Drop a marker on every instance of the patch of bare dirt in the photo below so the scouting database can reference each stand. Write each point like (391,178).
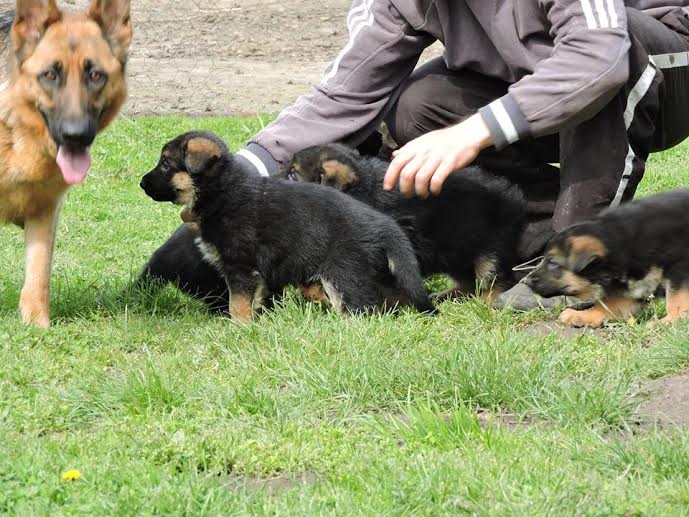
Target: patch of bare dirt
(272,485)
(548,328)
(666,402)
(227,56)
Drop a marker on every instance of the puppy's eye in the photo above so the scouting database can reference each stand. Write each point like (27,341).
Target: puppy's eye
(164,167)
(552,265)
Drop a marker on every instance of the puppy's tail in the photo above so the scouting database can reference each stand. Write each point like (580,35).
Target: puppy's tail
(404,268)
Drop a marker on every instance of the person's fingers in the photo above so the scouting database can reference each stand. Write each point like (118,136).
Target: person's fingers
(424,175)
(408,175)
(441,173)
(393,173)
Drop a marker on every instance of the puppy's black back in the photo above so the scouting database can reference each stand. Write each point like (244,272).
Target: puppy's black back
(295,233)
(476,216)
(650,231)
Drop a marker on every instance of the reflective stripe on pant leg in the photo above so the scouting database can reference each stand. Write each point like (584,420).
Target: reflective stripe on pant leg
(637,93)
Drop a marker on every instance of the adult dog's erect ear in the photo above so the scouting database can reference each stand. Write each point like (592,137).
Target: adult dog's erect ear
(201,153)
(32,19)
(115,21)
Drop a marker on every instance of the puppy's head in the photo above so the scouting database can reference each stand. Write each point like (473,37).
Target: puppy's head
(185,163)
(332,165)
(574,265)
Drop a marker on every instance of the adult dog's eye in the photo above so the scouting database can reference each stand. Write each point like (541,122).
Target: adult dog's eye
(95,76)
(49,75)
(164,167)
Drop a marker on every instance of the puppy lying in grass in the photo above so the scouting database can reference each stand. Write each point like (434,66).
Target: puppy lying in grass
(263,234)
(470,231)
(620,259)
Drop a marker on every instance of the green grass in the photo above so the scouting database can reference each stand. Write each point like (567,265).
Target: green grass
(165,409)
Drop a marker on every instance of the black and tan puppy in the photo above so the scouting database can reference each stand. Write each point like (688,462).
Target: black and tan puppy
(470,231)
(266,233)
(620,259)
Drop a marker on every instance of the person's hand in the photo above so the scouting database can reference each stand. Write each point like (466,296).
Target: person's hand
(424,164)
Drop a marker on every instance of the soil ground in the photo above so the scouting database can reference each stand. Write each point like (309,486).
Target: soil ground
(227,56)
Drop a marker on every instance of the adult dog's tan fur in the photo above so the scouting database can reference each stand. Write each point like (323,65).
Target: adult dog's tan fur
(31,184)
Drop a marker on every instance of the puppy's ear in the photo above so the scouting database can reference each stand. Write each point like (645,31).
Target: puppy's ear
(338,174)
(32,19)
(200,154)
(115,21)
(584,250)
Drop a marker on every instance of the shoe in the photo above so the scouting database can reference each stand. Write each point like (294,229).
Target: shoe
(522,298)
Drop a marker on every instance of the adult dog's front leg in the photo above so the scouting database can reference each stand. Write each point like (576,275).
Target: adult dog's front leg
(39,241)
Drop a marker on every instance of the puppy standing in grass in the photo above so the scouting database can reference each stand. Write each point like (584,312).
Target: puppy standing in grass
(66,83)
(619,259)
(469,231)
(265,233)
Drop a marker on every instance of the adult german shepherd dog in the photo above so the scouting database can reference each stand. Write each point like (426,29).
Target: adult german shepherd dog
(66,83)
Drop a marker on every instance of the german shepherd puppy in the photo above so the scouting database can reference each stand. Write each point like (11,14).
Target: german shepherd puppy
(66,83)
(470,231)
(620,259)
(263,234)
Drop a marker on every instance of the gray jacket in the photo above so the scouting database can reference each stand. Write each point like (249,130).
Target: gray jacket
(564,59)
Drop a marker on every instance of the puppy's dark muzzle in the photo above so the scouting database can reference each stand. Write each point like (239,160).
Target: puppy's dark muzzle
(154,190)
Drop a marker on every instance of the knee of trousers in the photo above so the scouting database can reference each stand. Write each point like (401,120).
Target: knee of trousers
(413,113)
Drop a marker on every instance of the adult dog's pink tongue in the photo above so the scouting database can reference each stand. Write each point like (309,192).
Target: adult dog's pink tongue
(74,165)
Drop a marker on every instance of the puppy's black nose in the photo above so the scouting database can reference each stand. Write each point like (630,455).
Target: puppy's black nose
(77,133)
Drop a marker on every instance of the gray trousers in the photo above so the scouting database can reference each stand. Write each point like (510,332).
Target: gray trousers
(601,160)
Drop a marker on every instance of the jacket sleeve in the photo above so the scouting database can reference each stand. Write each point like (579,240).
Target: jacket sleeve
(588,66)
(382,51)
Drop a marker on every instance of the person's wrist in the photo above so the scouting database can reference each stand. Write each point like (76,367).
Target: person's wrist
(478,129)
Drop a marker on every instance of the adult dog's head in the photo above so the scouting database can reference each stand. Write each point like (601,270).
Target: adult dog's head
(68,70)
(333,165)
(184,163)
(575,264)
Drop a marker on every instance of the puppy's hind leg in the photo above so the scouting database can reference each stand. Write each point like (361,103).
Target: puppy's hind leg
(39,239)
(676,301)
(349,292)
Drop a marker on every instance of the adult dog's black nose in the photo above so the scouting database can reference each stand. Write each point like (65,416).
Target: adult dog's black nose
(77,133)
(144,183)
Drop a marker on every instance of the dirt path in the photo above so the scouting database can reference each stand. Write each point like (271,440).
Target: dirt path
(665,402)
(227,56)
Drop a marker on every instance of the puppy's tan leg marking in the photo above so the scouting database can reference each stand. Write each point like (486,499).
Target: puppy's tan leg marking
(241,307)
(39,242)
(491,295)
(608,309)
(314,293)
(677,303)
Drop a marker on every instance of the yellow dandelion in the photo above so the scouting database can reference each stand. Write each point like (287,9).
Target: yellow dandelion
(71,475)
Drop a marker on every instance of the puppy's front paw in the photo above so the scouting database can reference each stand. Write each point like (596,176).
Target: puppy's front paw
(241,308)
(587,318)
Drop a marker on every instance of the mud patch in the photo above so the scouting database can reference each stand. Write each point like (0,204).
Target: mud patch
(273,485)
(665,402)
(226,57)
(549,328)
